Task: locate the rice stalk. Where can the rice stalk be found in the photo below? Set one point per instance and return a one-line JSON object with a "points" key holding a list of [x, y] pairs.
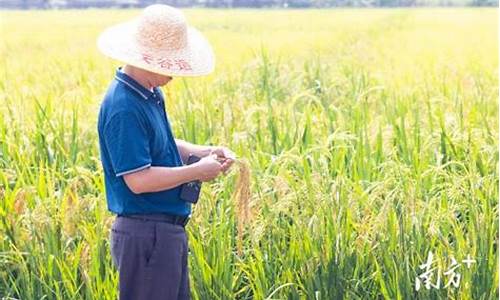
{"points": [[242, 197]]}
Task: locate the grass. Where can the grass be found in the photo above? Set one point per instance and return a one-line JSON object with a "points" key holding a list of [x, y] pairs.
{"points": [[371, 138]]}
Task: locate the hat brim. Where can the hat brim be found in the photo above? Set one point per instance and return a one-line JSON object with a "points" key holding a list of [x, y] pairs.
{"points": [[196, 59]]}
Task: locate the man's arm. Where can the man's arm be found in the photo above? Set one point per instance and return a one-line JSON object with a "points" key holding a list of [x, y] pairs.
{"points": [[155, 179], [186, 148], [226, 156], [127, 143]]}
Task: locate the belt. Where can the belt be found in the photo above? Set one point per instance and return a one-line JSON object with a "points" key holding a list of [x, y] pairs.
{"points": [[167, 218]]}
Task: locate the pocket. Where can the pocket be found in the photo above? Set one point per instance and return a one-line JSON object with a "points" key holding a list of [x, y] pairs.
{"points": [[188, 248], [151, 246]]}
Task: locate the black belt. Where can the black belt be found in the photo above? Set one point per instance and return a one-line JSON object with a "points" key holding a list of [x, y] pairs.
{"points": [[172, 219]]}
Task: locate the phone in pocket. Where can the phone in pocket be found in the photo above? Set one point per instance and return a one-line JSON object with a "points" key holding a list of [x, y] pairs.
{"points": [[190, 191]]}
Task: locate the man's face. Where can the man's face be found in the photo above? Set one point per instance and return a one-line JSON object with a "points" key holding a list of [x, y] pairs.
{"points": [[161, 80]]}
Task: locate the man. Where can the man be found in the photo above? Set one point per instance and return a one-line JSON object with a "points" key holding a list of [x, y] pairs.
{"points": [[144, 166]]}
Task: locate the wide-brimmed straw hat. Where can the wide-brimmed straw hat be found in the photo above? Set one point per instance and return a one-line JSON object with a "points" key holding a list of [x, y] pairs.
{"points": [[160, 41]]}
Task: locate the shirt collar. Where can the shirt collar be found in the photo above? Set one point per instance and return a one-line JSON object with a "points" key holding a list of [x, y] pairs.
{"points": [[134, 85]]}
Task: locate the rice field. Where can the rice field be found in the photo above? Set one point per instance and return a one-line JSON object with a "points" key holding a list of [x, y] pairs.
{"points": [[371, 138]]}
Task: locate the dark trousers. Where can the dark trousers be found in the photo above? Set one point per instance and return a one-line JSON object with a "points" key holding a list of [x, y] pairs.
{"points": [[151, 258]]}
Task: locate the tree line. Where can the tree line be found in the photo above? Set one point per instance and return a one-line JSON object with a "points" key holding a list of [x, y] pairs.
{"points": [[48, 4]]}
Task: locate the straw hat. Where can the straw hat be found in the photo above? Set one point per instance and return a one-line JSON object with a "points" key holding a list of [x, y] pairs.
{"points": [[160, 41]]}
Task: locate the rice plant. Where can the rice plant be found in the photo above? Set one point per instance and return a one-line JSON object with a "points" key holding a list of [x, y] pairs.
{"points": [[371, 138]]}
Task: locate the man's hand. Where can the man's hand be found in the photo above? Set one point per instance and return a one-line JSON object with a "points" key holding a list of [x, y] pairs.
{"points": [[226, 156], [209, 168]]}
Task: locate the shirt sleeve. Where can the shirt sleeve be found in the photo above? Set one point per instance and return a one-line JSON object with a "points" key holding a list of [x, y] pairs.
{"points": [[127, 141]]}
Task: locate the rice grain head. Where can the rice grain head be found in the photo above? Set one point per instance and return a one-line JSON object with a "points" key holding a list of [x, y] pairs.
{"points": [[242, 195]]}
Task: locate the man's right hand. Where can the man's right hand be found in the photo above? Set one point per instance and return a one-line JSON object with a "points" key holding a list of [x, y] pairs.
{"points": [[209, 168]]}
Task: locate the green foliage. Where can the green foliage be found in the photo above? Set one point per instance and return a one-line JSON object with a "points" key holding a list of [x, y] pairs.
{"points": [[371, 135]]}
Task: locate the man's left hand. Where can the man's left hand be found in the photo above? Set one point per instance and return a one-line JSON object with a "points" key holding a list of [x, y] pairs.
{"points": [[225, 156]]}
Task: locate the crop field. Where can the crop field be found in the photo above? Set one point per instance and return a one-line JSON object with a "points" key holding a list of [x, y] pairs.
{"points": [[371, 137]]}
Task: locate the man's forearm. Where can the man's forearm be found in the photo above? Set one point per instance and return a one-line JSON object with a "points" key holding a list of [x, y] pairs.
{"points": [[185, 148], [155, 179]]}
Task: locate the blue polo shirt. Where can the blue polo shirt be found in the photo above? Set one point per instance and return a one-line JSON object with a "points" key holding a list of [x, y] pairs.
{"points": [[134, 134]]}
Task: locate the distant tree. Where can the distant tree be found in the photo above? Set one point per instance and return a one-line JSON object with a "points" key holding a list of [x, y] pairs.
{"points": [[127, 3], [45, 4], [484, 3]]}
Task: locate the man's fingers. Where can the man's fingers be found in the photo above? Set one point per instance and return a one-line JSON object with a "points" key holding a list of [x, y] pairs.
{"points": [[228, 153], [224, 152], [226, 165], [214, 152]]}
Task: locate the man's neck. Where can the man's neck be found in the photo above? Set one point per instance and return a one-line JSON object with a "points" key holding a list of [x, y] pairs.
{"points": [[137, 75]]}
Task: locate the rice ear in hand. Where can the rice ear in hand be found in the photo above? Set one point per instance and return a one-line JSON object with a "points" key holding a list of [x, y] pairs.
{"points": [[242, 195]]}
